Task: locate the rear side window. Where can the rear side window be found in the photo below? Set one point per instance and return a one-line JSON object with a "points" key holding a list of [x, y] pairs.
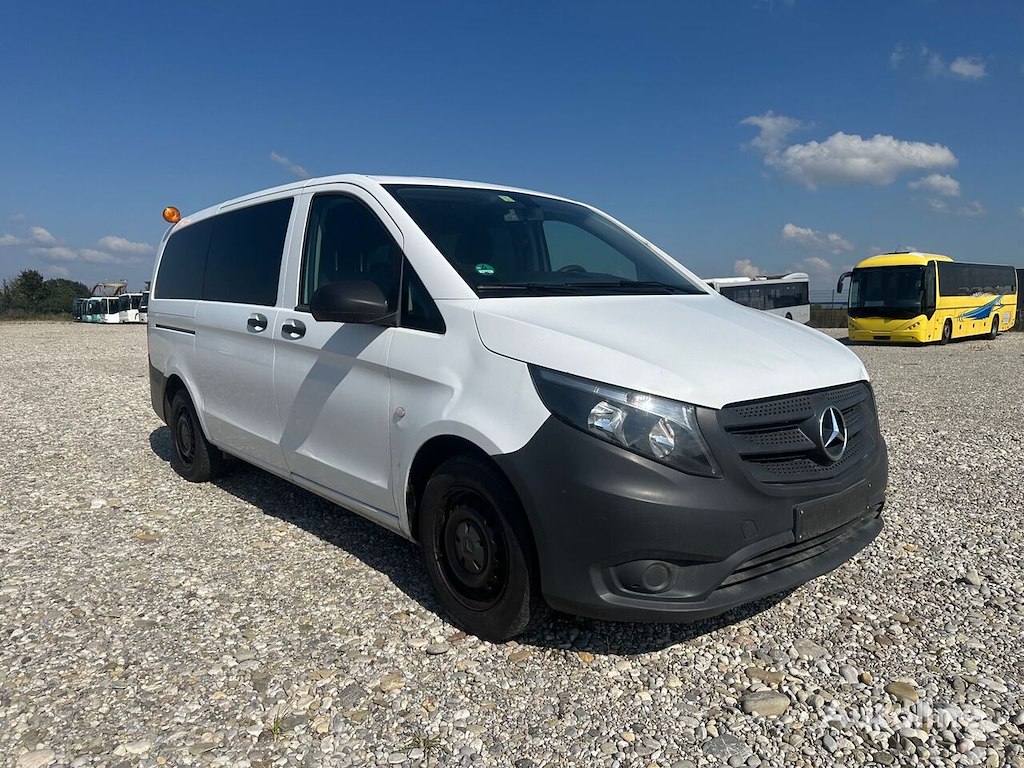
{"points": [[183, 262], [244, 261]]}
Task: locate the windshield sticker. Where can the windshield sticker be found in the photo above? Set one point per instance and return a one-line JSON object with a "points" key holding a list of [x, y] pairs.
{"points": [[484, 269], [505, 199]]}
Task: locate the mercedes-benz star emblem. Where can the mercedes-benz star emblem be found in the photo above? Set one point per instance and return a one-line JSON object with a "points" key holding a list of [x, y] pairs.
{"points": [[832, 429]]}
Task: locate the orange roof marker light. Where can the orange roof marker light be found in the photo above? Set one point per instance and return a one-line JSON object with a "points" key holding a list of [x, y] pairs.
{"points": [[172, 215]]}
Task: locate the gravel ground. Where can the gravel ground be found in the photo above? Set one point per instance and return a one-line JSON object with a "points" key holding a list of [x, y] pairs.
{"points": [[147, 621]]}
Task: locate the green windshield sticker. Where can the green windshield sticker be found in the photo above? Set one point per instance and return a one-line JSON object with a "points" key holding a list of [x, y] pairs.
{"points": [[506, 199], [484, 269]]}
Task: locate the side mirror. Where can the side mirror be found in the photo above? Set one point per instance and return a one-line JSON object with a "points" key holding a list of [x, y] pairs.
{"points": [[839, 285], [351, 301]]}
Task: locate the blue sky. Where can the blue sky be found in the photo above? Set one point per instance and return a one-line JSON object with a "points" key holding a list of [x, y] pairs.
{"points": [[737, 135]]}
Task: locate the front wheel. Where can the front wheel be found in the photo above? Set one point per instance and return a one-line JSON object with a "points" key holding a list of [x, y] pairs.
{"points": [[479, 552], [947, 332], [995, 328]]}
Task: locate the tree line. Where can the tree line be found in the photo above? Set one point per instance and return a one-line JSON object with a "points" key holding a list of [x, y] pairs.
{"points": [[29, 295]]}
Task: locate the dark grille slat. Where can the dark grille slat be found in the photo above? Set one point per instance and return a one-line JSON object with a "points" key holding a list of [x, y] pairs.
{"points": [[777, 438], [771, 442]]}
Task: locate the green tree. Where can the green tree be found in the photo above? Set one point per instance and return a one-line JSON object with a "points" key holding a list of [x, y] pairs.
{"points": [[27, 290], [59, 293], [30, 294]]}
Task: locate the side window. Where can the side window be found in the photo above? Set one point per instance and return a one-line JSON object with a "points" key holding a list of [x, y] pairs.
{"points": [[346, 241], [244, 261], [183, 263], [418, 310], [569, 245]]}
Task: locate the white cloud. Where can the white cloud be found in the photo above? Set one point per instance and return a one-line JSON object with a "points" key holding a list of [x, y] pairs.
{"points": [[851, 159], [939, 206], [295, 170], [815, 264], [939, 184], [968, 68], [55, 253], [43, 237], [18, 218], [59, 271], [123, 245], [1021, 211], [812, 238], [745, 268], [96, 257], [9, 241], [961, 68], [773, 130], [973, 208], [896, 57]]}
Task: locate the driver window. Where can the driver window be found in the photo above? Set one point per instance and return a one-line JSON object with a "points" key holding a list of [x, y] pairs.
{"points": [[346, 241], [572, 249]]}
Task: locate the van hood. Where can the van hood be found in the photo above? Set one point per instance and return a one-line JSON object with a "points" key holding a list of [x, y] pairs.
{"points": [[705, 350]]}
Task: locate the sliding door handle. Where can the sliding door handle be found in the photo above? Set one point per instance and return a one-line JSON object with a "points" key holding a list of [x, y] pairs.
{"points": [[257, 323]]}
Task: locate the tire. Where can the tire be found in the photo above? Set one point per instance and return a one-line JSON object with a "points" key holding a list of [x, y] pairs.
{"points": [[995, 328], [947, 332], [478, 551], [192, 455]]}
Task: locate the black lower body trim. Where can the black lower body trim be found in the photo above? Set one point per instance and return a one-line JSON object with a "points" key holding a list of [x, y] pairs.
{"points": [[621, 537]]}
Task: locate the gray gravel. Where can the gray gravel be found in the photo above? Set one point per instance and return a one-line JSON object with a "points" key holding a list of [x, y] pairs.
{"points": [[146, 621]]}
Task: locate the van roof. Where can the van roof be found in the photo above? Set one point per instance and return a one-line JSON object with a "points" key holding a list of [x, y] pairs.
{"points": [[359, 178], [906, 258]]}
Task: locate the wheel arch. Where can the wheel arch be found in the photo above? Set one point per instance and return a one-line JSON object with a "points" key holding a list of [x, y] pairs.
{"points": [[431, 455]]}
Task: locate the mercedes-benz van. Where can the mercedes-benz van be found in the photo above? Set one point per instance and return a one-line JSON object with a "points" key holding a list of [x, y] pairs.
{"points": [[557, 411]]}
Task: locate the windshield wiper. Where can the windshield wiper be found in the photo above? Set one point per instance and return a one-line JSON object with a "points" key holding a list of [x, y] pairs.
{"points": [[528, 287], [635, 284]]}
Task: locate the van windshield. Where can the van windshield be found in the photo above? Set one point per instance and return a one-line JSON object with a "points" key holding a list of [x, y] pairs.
{"points": [[514, 244]]}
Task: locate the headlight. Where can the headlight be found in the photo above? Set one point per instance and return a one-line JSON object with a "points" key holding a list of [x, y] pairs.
{"points": [[662, 430]]}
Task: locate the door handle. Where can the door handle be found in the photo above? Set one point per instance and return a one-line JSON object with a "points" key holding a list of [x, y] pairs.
{"points": [[293, 329], [257, 323]]}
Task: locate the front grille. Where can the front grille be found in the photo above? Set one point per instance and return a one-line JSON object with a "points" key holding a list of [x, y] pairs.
{"points": [[778, 439]]}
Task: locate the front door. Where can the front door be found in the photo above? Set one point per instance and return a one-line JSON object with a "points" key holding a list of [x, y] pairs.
{"points": [[331, 379]]}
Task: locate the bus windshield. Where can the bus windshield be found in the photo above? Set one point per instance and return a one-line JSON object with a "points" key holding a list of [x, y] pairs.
{"points": [[896, 292]]}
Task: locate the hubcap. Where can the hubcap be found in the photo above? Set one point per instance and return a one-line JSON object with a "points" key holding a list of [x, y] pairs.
{"points": [[185, 438], [471, 551]]}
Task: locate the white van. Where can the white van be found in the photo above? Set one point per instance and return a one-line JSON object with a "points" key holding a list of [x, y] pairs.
{"points": [[558, 412]]}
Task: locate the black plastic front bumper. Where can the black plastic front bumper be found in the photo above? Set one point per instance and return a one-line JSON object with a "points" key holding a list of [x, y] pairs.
{"points": [[621, 537]]}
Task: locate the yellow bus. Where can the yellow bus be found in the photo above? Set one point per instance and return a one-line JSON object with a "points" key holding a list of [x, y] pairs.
{"points": [[924, 297]]}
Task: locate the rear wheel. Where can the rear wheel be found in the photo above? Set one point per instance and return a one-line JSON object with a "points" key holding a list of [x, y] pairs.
{"points": [[995, 328], [947, 332], [193, 457], [479, 551]]}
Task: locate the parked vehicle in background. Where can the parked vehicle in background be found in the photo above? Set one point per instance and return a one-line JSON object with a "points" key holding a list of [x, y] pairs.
{"points": [[556, 410], [783, 295], [924, 297], [128, 307], [1020, 305], [103, 309], [78, 308], [144, 307]]}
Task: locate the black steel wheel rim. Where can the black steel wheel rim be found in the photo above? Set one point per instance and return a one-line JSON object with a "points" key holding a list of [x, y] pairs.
{"points": [[184, 438], [470, 550]]}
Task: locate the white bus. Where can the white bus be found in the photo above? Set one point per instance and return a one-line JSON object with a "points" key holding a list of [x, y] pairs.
{"points": [[144, 306], [102, 309], [129, 307], [783, 295]]}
